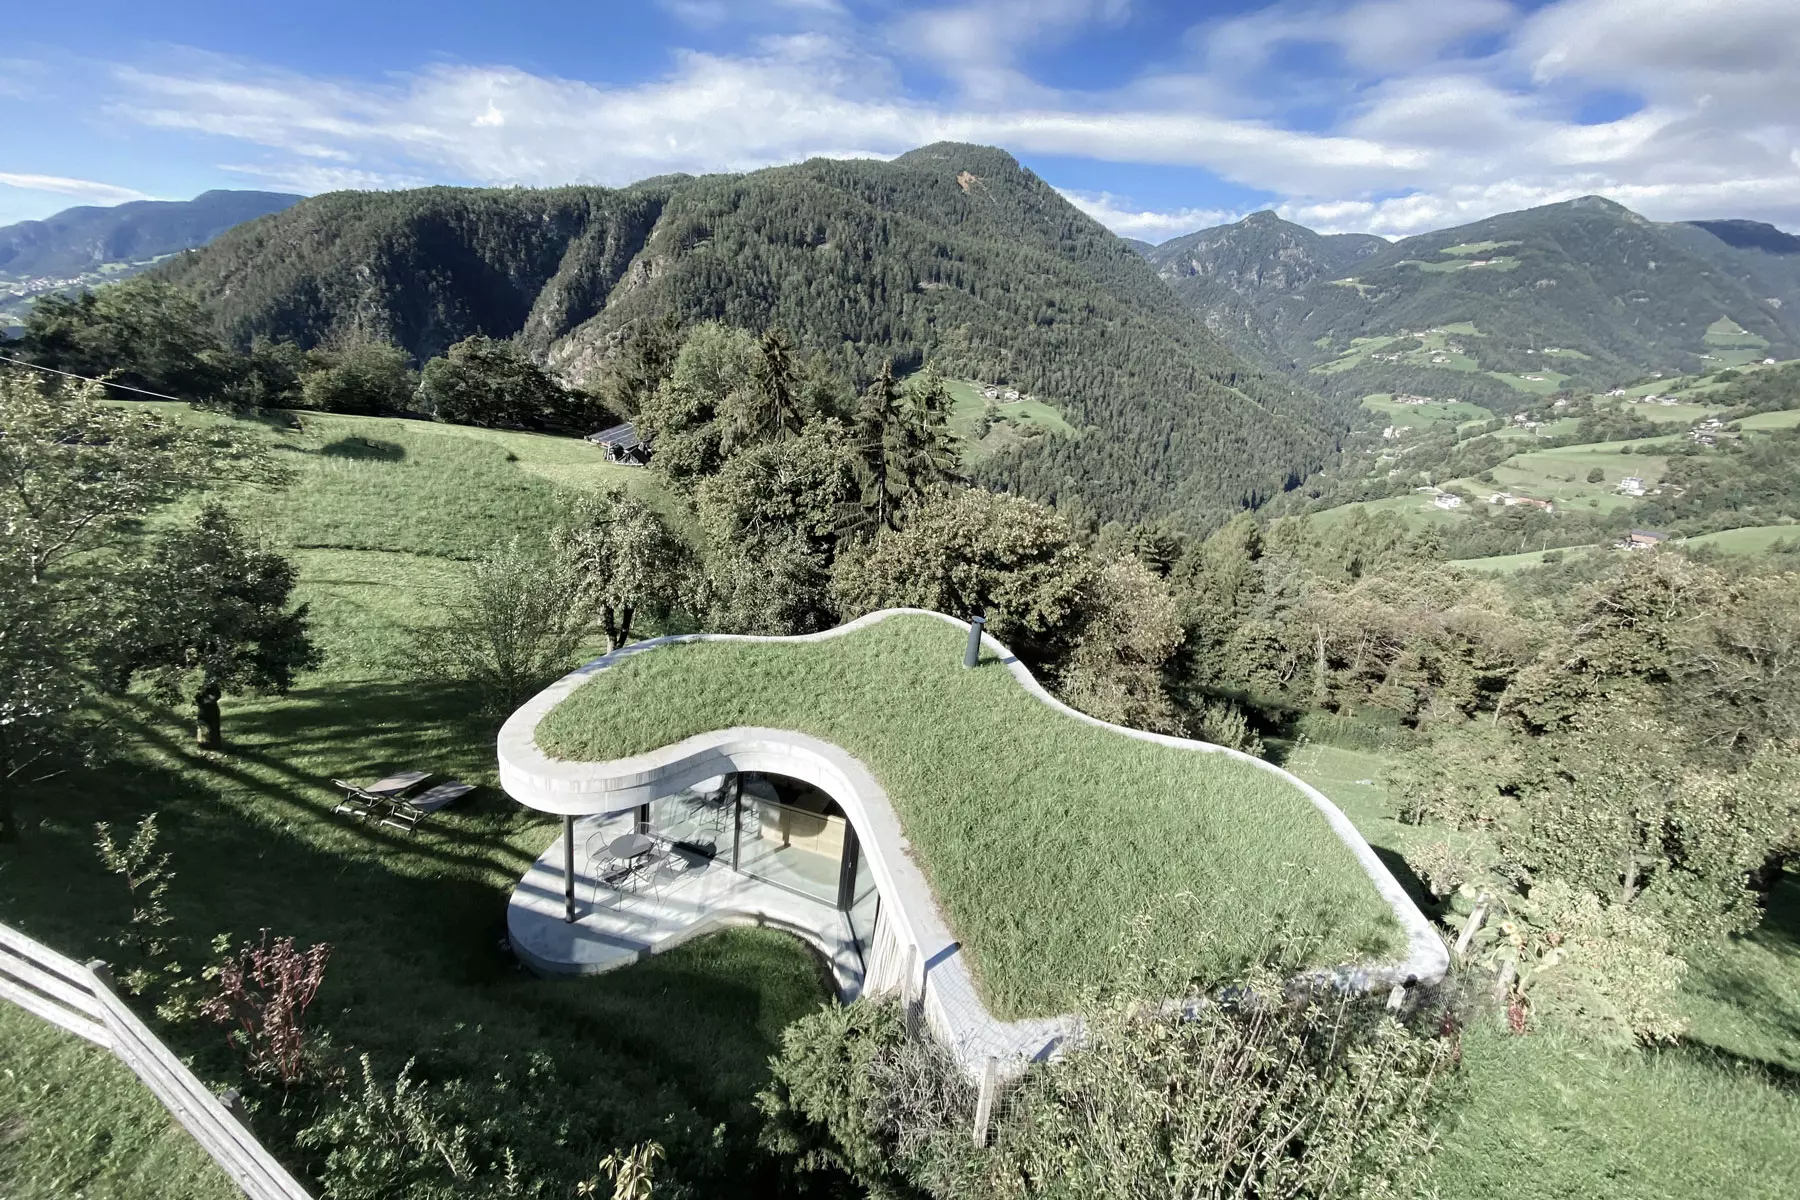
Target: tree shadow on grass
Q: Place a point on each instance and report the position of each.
(670, 1049)
(368, 449)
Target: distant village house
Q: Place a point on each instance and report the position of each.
(1642, 539)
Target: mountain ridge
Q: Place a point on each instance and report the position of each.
(949, 253)
(1611, 292)
(87, 237)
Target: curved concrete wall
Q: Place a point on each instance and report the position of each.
(910, 914)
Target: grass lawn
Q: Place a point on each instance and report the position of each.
(379, 521)
(1506, 564)
(75, 1122)
(1548, 1117)
(1752, 539)
(1042, 836)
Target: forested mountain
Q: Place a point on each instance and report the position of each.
(951, 253)
(79, 240)
(1228, 272)
(1610, 293)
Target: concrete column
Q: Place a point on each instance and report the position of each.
(569, 869)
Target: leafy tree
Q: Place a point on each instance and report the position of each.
(512, 625)
(775, 586)
(647, 349)
(1615, 809)
(206, 615)
(144, 333)
(781, 489)
(489, 383)
(76, 476)
(627, 559)
(1131, 628)
(1733, 664)
(970, 551)
(42, 630)
(363, 377)
(712, 375)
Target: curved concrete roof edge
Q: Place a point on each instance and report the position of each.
(555, 785)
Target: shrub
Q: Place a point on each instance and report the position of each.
(1607, 971)
(265, 991)
(515, 622)
(1245, 1091)
(368, 377)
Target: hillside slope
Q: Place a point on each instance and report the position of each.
(78, 240)
(951, 253)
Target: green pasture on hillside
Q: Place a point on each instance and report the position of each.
(1560, 474)
(1506, 564)
(1733, 345)
(1752, 539)
(1415, 508)
(1019, 420)
(1670, 414)
(1042, 836)
(1785, 419)
(1423, 415)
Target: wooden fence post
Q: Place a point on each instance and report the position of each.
(99, 970)
(1472, 925)
(911, 1003)
(984, 1101)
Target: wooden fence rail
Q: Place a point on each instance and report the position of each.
(80, 999)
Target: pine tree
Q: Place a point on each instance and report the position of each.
(777, 376)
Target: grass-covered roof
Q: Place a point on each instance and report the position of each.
(1042, 836)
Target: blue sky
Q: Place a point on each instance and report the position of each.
(1389, 116)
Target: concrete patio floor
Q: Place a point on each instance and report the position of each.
(615, 928)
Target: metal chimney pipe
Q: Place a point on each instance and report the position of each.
(973, 654)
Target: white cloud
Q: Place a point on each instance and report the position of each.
(1118, 214)
(86, 190)
(1376, 35)
(1426, 129)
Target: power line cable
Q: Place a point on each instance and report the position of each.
(124, 387)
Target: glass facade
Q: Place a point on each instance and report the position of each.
(865, 904)
(801, 849)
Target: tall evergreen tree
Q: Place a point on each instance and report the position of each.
(778, 413)
(880, 451)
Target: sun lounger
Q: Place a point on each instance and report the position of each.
(364, 800)
(406, 812)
